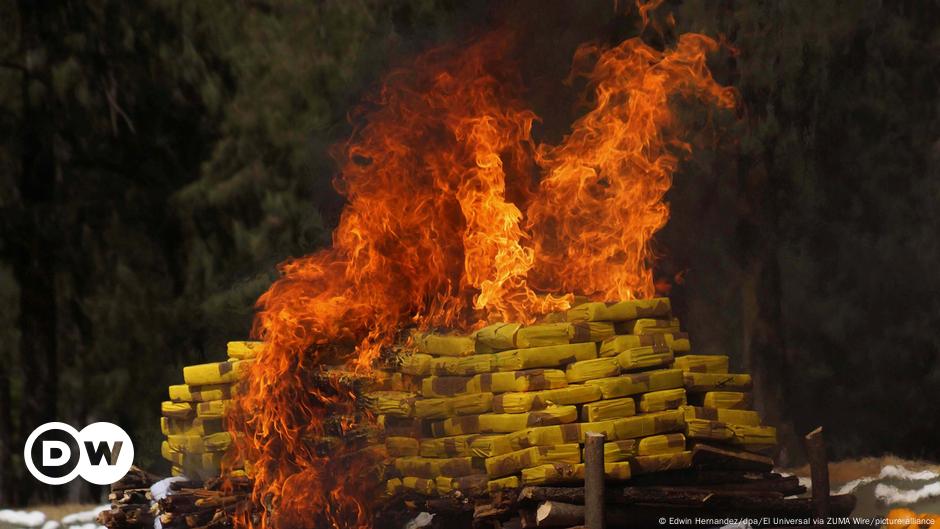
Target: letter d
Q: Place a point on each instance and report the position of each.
(48, 460)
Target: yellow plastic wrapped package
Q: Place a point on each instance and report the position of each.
(608, 409)
(498, 336)
(542, 334)
(489, 445)
(244, 350)
(180, 393)
(444, 345)
(754, 438)
(513, 462)
(463, 366)
(554, 435)
(644, 358)
(653, 445)
(702, 382)
(471, 485)
(525, 380)
(727, 400)
(213, 392)
(472, 404)
(540, 400)
(553, 473)
(216, 372)
(620, 450)
(621, 311)
(667, 399)
(636, 383)
(178, 410)
(661, 463)
(393, 487)
(590, 331)
(742, 417)
(501, 484)
(416, 364)
(428, 487)
(677, 342)
(393, 403)
(198, 444)
(212, 408)
(648, 326)
(549, 356)
(591, 369)
(457, 446)
(512, 422)
(648, 424)
(433, 408)
(444, 386)
(423, 467)
(702, 363)
(196, 426)
(401, 446)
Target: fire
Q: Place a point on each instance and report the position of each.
(443, 228)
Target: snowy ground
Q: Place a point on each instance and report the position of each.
(11, 519)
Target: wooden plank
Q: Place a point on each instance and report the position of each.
(819, 472)
(594, 500)
(706, 456)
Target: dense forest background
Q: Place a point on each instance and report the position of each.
(159, 158)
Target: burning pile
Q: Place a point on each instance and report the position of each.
(509, 404)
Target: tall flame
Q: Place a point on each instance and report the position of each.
(443, 228)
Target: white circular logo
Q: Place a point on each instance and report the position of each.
(56, 453)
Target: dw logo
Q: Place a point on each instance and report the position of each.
(57, 453)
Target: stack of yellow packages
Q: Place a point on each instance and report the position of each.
(510, 404)
(193, 420)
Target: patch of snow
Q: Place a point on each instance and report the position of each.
(22, 518)
(888, 471)
(82, 518)
(421, 520)
(161, 489)
(894, 496)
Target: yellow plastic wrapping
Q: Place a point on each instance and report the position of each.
(636, 383)
(393, 487)
(666, 399)
(401, 446)
(591, 369)
(401, 426)
(443, 386)
(507, 483)
(742, 417)
(727, 400)
(608, 409)
(216, 372)
(702, 363)
(677, 342)
(513, 462)
(444, 484)
(553, 473)
(178, 410)
(648, 424)
(433, 408)
(471, 485)
(644, 358)
(428, 487)
(623, 310)
(702, 382)
(620, 450)
(489, 445)
(244, 350)
(195, 427)
(653, 445)
(649, 326)
(472, 404)
(444, 345)
(542, 334)
(660, 463)
(423, 467)
(539, 400)
(754, 438)
(590, 331)
(213, 392)
(393, 403)
(549, 356)
(457, 446)
(212, 408)
(526, 380)
(504, 422)
(416, 364)
(197, 444)
(498, 336)
(463, 366)
(180, 393)
(553, 435)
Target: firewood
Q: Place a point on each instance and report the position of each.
(711, 457)
(558, 514)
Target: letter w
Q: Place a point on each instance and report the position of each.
(103, 451)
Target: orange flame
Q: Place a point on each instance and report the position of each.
(442, 229)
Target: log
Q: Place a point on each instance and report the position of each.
(558, 514)
(703, 498)
(711, 457)
(819, 472)
(594, 480)
(700, 477)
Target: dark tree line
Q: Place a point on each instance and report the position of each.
(158, 158)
